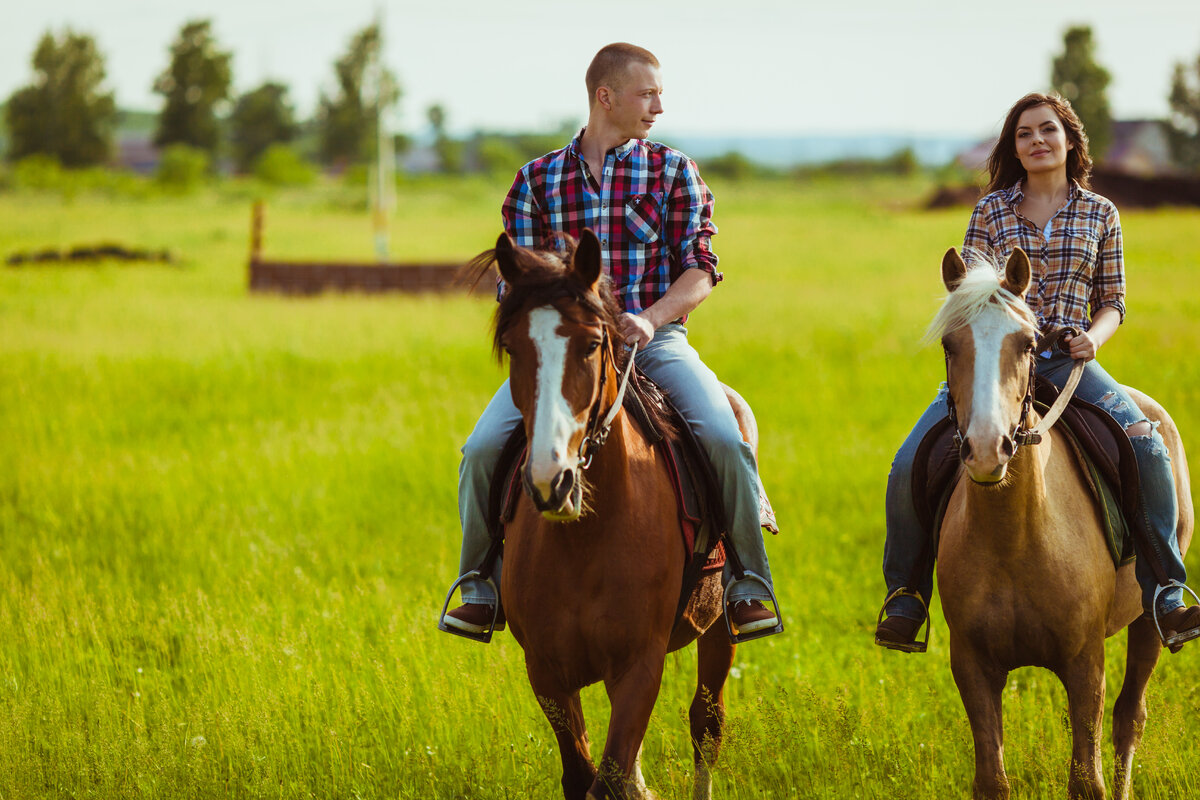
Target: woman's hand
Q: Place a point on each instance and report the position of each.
(1082, 346)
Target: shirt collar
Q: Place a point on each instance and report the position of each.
(621, 151)
(1016, 193)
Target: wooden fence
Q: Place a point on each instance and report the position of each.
(313, 277)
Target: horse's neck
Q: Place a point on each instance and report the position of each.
(1016, 510)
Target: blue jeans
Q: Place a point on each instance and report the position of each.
(676, 367)
(1159, 506)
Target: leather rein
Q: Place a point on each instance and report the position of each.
(598, 428)
(1022, 434)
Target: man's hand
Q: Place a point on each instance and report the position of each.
(636, 329)
(1081, 346)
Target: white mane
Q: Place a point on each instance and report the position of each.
(980, 289)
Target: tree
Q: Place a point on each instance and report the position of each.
(260, 119)
(1184, 127)
(449, 151)
(347, 122)
(63, 113)
(195, 83)
(1078, 77)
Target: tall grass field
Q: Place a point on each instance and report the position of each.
(227, 521)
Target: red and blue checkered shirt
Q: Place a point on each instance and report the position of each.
(1081, 263)
(650, 210)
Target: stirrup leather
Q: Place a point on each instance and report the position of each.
(1177, 641)
(738, 638)
(484, 636)
(915, 646)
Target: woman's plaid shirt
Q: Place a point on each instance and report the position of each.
(1080, 264)
(650, 210)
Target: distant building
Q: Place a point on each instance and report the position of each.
(137, 154)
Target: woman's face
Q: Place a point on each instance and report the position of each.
(1042, 144)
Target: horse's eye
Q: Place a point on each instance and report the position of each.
(592, 348)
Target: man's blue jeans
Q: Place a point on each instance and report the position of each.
(905, 538)
(676, 367)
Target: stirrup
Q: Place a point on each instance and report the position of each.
(484, 636)
(910, 647)
(738, 638)
(1177, 641)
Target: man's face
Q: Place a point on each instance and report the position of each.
(637, 101)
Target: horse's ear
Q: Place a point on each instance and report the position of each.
(586, 266)
(506, 259)
(1017, 273)
(953, 269)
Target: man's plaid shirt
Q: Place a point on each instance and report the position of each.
(1080, 264)
(650, 210)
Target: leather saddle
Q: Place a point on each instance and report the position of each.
(1099, 442)
(697, 490)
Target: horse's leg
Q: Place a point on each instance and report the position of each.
(707, 714)
(632, 696)
(1129, 712)
(1084, 679)
(565, 713)
(980, 685)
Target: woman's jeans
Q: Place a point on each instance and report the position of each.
(676, 367)
(1159, 505)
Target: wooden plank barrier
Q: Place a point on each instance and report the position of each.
(313, 277)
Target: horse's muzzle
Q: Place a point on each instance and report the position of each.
(987, 465)
(565, 498)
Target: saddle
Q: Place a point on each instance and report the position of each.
(697, 490)
(1099, 443)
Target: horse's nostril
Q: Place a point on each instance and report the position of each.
(964, 452)
(562, 485)
(1008, 446)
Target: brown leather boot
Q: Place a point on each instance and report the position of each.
(748, 616)
(473, 617)
(900, 633)
(1180, 626)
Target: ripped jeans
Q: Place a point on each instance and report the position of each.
(1159, 505)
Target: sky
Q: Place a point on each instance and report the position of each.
(743, 67)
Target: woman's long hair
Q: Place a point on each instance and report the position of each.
(1004, 167)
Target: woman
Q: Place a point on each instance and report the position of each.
(1038, 200)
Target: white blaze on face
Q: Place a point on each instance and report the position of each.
(554, 423)
(987, 405)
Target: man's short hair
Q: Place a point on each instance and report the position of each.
(610, 65)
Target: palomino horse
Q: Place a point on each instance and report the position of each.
(1025, 575)
(593, 561)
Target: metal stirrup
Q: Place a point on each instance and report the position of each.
(914, 646)
(1178, 638)
(484, 636)
(738, 638)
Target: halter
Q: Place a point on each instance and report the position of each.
(598, 429)
(1022, 434)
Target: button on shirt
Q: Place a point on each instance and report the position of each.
(650, 210)
(1079, 264)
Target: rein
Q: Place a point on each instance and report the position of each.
(598, 429)
(1022, 434)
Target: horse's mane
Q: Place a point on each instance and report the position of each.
(979, 289)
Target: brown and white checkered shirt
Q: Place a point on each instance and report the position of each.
(1080, 263)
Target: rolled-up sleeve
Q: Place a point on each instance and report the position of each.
(689, 225)
(1108, 281)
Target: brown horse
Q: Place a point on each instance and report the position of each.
(593, 560)
(1025, 575)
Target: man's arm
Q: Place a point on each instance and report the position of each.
(687, 292)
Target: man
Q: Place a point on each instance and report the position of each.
(652, 214)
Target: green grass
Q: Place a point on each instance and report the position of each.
(227, 521)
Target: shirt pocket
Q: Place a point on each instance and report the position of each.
(644, 217)
(1081, 247)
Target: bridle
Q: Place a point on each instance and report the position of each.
(1022, 434)
(598, 428)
